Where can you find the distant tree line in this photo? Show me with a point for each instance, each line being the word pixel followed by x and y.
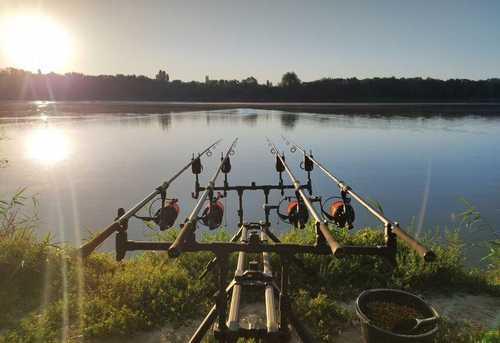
pixel 18 84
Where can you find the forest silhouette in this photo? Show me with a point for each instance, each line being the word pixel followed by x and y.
pixel 16 84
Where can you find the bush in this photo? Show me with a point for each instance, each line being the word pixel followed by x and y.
pixel 348 276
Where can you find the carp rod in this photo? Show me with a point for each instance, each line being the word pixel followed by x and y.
pixel 389 225
pixel 190 225
pixel 87 248
pixel 321 223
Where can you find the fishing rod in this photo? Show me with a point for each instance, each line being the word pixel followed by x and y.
pixel 390 226
pixel 87 248
pixel 321 224
pixel 190 225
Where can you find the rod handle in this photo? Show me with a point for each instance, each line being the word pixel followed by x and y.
pixel 86 249
pixel 335 246
pixel 426 254
pixel 176 247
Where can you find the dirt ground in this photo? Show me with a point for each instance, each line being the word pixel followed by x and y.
pixel 478 309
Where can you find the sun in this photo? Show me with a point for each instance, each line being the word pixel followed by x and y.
pixel 35 42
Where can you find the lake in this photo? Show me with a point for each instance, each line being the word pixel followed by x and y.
pixel 83 167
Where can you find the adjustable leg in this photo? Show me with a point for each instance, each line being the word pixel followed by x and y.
pixel 283 300
pixel 240 206
pixel 304 333
pixel 121 237
pixel 221 295
pixel 208 320
pixel 204 326
pixel 271 318
pixel 233 321
pixel 391 245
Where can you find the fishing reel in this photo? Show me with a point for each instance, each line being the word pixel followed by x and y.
pixel 341 212
pixel 297 213
pixel 165 216
pixel 213 213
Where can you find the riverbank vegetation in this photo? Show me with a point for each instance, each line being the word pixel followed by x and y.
pixel 16 84
pixel 47 295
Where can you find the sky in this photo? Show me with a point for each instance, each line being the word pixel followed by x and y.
pixel 236 39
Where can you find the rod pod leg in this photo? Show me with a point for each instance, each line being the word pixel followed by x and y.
pixel 221 299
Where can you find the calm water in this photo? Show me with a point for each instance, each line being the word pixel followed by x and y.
pixel 83 168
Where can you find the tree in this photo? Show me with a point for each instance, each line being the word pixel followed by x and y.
pixel 249 81
pixel 290 79
pixel 162 75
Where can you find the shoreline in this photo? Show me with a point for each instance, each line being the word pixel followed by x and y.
pixel 31 108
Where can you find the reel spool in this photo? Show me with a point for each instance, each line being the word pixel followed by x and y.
pixel 166 216
pixel 213 214
pixel 341 213
pixel 296 212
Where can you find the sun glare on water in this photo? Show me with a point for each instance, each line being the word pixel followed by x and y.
pixel 34 42
pixel 47 145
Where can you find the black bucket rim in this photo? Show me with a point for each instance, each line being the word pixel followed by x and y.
pixel 368 322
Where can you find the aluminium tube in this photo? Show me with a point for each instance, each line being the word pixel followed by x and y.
pixel 271 316
pixel 427 254
pixel 335 247
pixel 87 248
pixel 233 321
pixel 190 225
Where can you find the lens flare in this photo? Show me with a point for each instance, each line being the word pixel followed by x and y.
pixel 48 145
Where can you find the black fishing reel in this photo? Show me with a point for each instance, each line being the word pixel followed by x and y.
pixel 296 212
pixel 340 213
pixel 165 216
pixel 213 213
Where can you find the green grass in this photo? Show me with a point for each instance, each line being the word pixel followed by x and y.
pixel 345 277
pixel 48 296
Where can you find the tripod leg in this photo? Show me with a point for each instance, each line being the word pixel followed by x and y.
pixel 204 326
pixel 304 333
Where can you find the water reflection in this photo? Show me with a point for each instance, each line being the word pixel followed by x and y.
pixel 47 145
pixel 288 120
pixel 165 121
